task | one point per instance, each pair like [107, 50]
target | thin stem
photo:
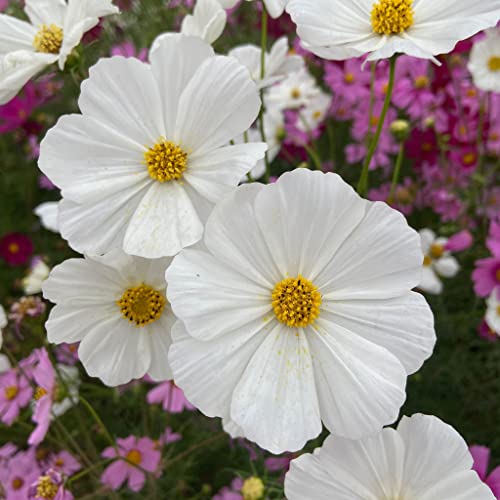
[99, 422]
[188, 452]
[314, 157]
[397, 171]
[90, 469]
[363, 181]
[263, 51]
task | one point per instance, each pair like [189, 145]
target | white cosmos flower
[207, 21]
[115, 306]
[48, 213]
[424, 459]
[299, 311]
[55, 29]
[339, 29]
[38, 273]
[493, 312]
[438, 261]
[278, 63]
[297, 90]
[144, 164]
[484, 63]
[4, 359]
[315, 111]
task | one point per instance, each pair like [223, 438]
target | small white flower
[55, 29]
[48, 213]
[493, 312]
[278, 63]
[38, 273]
[207, 21]
[115, 306]
[299, 311]
[315, 111]
[340, 29]
[3, 323]
[145, 163]
[484, 63]
[437, 262]
[424, 459]
[297, 90]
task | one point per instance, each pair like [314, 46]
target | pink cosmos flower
[15, 394]
[63, 462]
[481, 456]
[486, 333]
[170, 396]
[127, 49]
[45, 377]
[21, 471]
[230, 492]
[459, 242]
[169, 436]
[486, 276]
[137, 451]
[67, 353]
[348, 80]
[49, 486]
[32, 307]
[16, 249]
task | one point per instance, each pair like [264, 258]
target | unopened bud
[400, 129]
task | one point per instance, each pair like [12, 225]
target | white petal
[15, 34]
[361, 386]
[208, 372]
[122, 94]
[275, 401]
[430, 282]
[185, 54]
[164, 222]
[46, 11]
[217, 173]
[462, 486]
[49, 214]
[161, 340]
[447, 267]
[275, 7]
[427, 238]
[404, 325]
[218, 104]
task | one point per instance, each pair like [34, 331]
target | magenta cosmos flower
[141, 452]
[20, 473]
[170, 397]
[15, 394]
[481, 456]
[49, 486]
[16, 249]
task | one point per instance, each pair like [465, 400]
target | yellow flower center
[422, 82]
[17, 483]
[390, 17]
[11, 392]
[296, 302]
[494, 63]
[497, 275]
[40, 392]
[349, 78]
[295, 93]
[469, 158]
[14, 248]
[498, 310]
[317, 115]
[436, 251]
[142, 305]
[166, 161]
[427, 261]
[252, 489]
[48, 39]
[46, 489]
[134, 456]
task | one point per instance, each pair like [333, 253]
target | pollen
[166, 161]
[427, 261]
[436, 251]
[141, 305]
[49, 39]
[252, 489]
[349, 78]
[46, 489]
[494, 63]
[422, 82]
[295, 93]
[390, 17]
[296, 302]
[40, 392]
[11, 392]
[134, 456]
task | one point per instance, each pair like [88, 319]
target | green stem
[263, 51]
[314, 157]
[363, 181]
[99, 422]
[397, 171]
[90, 469]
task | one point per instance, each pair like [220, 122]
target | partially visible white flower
[424, 459]
[144, 164]
[48, 213]
[493, 311]
[115, 306]
[274, 7]
[295, 312]
[3, 323]
[207, 21]
[297, 90]
[70, 375]
[274, 128]
[278, 64]
[437, 262]
[340, 29]
[38, 273]
[484, 63]
[314, 112]
[4, 359]
[55, 29]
